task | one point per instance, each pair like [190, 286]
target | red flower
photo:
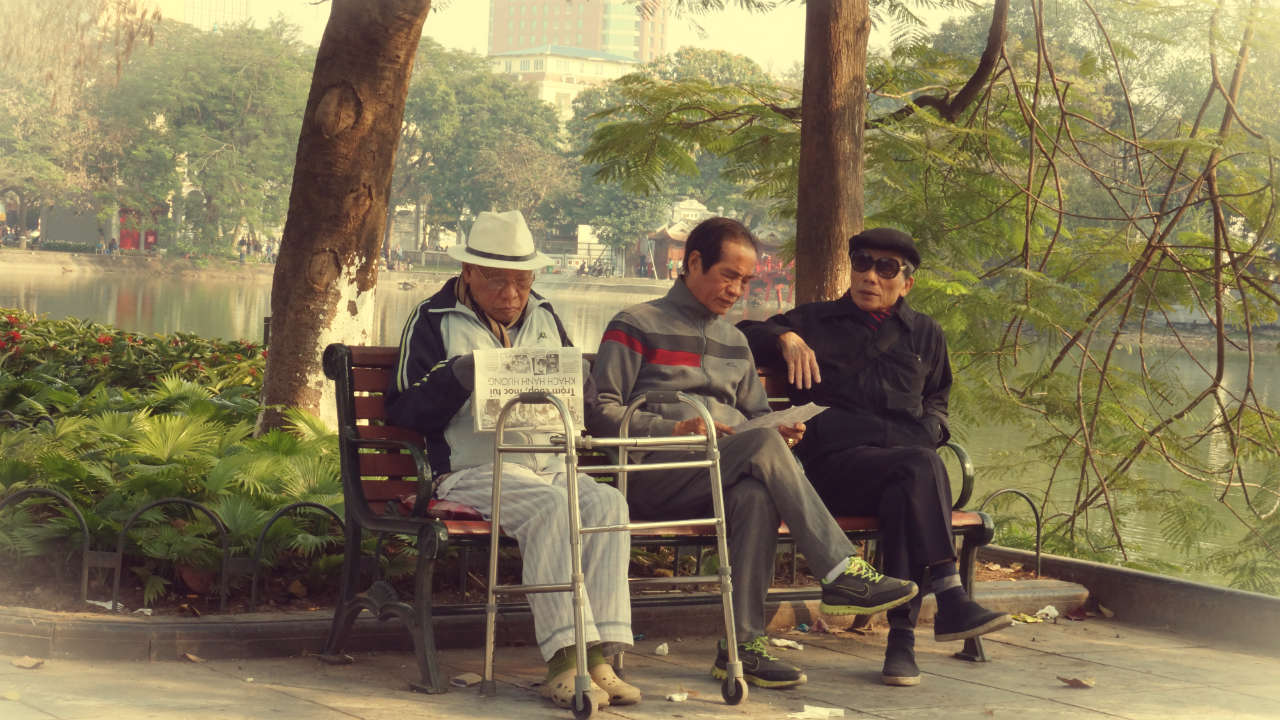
[105, 359]
[3, 345]
[238, 356]
[104, 339]
[14, 335]
[13, 320]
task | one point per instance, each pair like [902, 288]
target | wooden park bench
[387, 488]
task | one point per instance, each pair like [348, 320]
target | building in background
[614, 27]
[559, 73]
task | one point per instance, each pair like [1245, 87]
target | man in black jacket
[882, 369]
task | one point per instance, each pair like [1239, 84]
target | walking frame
[734, 687]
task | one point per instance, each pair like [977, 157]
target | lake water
[234, 308]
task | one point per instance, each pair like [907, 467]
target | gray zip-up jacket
[674, 343]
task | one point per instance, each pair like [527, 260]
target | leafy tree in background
[207, 121]
[623, 212]
[476, 140]
[47, 135]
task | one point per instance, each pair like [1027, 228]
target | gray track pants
[763, 484]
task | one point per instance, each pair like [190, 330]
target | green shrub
[117, 420]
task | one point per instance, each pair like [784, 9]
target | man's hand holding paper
[796, 415]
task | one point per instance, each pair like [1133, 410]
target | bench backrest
[361, 375]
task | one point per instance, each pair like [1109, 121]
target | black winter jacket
[897, 399]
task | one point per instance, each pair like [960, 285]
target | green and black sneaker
[758, 666]
[861, 590]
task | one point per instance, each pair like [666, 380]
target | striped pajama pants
[535, 511]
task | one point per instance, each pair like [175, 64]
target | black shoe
[758, 666]
[966, 619]
[860, 590]
[900, 660]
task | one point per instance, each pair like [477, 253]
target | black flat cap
[887, 239]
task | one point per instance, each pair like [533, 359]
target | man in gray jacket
[682, 342]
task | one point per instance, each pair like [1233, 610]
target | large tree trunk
[324, 280]
[829, 200]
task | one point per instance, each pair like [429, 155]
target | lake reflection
[234, 308]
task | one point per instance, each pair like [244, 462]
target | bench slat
[370, 379]
[389, 432]
[372, 407]
[384, 356]
[387, 464]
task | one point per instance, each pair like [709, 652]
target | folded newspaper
[504, 373]
[778, 418]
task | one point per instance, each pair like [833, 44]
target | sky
[775, 39]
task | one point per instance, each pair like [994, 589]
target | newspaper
[504, 373]
[778, 418]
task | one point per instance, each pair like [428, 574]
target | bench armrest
[426, 487]
[966, 474]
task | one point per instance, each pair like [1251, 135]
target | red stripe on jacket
[657, 356]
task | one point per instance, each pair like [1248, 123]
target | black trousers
[907, 489]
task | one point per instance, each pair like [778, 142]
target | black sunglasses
[886, 267]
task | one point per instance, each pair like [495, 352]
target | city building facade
[559, 73]
[613, 27]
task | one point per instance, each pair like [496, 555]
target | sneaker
[966, 619]
[900, 661]
[758, 666]
[860, 590]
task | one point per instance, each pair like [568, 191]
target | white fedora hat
[500, 240]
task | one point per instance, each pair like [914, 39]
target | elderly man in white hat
[491, 304]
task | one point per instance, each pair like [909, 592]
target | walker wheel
[584, 706]
[733, 690]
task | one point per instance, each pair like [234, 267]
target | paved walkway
[1136, 673]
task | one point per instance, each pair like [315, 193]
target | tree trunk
[324, 280]
[829, 200]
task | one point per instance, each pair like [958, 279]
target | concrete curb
[1143, 598]
[46, 634]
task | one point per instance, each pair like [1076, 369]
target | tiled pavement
[1137, 673]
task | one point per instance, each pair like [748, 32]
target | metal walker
[734, 687]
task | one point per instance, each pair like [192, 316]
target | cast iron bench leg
[344, 614]
[431, 539]
[972, 650]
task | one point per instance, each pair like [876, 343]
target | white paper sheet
[777, 418]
